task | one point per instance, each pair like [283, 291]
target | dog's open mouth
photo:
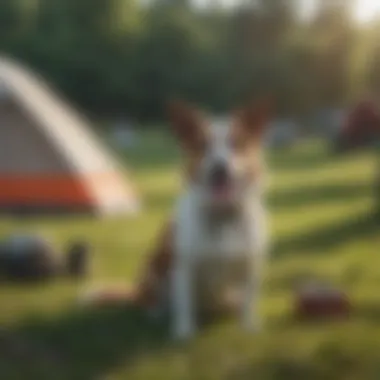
[222, 192]
[221, 185]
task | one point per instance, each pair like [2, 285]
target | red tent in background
[361, 127]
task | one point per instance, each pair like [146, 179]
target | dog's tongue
[222, 192]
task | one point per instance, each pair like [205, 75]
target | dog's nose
[219, 174]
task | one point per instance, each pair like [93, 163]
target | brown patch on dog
[192, 165]
[157, 269]
[190, 128]
[247, 134]
[252, 120]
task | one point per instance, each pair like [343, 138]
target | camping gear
[50, 160]
[321, 301]
[78, 259]
[28, 257]
[33, 257]
[361, 127]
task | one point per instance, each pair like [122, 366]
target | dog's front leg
[250, 316]
[258, 247]
[182, 300]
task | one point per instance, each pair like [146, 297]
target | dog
[212, 251]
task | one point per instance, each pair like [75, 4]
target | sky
[364, 11]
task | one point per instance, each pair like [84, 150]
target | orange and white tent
[50, 160]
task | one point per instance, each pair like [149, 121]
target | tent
[361, 127]
[50, 160]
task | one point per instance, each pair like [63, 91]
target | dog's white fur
[201, 241]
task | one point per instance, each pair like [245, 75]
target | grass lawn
[321, 224]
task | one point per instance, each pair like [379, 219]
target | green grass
[321, 223]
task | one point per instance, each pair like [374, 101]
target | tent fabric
[49, 156]
[362, 123]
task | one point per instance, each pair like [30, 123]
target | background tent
[361, 127]
[49, 157]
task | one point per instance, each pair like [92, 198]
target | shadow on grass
[328, 236]
[278, 200]
[302, 160]
[280, 368]
[317, 194]
[368, 311]
[331, 360]
[298, 161]
[88, 344]
[312, 157]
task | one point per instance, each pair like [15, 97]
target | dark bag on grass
[28, 258]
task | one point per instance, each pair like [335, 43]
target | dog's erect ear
[256, 116]
[187, 124]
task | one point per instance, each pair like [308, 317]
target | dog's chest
[221, 239]
[199, 235]
[221, 259]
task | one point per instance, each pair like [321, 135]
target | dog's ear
[256, 116]
[187, 124]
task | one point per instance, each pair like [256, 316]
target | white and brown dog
[216, 242]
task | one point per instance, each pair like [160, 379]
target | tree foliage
[129, 57]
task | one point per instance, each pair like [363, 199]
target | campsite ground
[321, 223]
